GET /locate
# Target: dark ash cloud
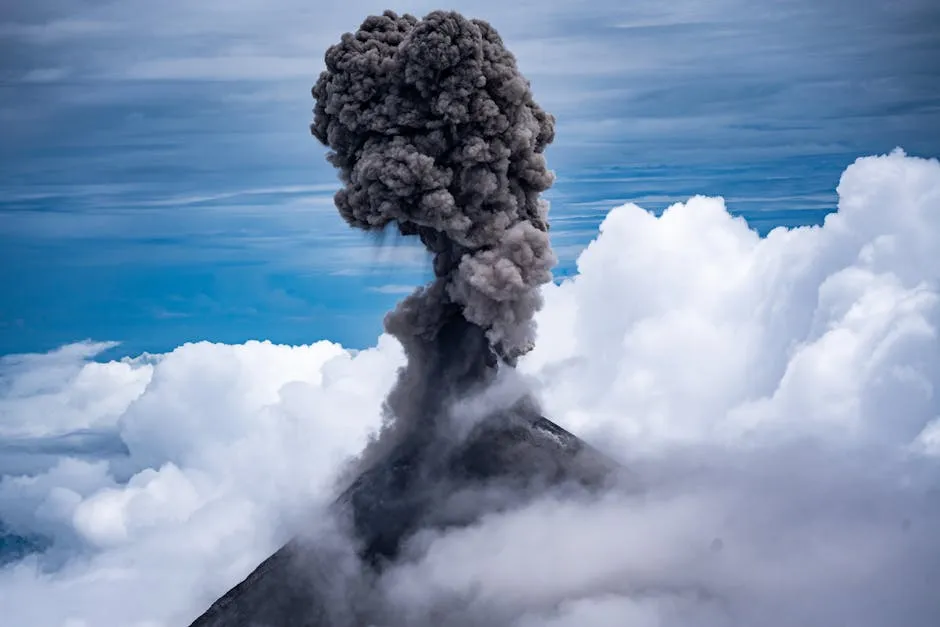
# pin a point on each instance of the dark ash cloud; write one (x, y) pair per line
(435, 132)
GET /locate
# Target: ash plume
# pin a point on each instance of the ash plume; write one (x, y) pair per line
(435, 133)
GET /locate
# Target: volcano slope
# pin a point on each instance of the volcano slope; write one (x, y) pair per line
(512, 454)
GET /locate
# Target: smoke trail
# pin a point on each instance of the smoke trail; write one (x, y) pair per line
(435, 131)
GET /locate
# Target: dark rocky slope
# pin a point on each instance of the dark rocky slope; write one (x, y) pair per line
(515, 450)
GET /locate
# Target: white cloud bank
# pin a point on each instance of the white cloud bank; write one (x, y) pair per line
(776, 397)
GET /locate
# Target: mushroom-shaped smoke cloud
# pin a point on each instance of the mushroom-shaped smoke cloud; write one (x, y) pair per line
(434, 130)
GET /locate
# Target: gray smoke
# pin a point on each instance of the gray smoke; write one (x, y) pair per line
(435, 133)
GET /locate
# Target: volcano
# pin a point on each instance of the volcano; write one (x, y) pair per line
(514, 454)
(435, 133)
(389, 503)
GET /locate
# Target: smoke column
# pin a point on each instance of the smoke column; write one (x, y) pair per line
(435, 132)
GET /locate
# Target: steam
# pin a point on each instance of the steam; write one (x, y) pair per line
(435, 132)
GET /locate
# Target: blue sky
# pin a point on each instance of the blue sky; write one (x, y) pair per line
(158, 183)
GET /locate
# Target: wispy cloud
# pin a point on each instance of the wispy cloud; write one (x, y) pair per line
(45, 75)
(392, 288)
(228, 195)
(218, 68)
(58, 30)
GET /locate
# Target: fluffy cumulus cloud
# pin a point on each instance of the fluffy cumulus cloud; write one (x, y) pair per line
(774, 400)
(225, 451)
(691, 328)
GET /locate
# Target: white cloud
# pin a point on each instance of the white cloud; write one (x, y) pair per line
(775, 398)
(315, 194)
(45, 75)
(228, 445)
(692, 327)
(393, 288)
(58, 392)
(231, 68)
(57, 31)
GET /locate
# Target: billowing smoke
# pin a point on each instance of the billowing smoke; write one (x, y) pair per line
(435, 133)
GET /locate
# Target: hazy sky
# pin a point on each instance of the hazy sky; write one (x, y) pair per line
(158, 183)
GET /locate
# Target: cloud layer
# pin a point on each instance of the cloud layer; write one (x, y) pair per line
(775, 400)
